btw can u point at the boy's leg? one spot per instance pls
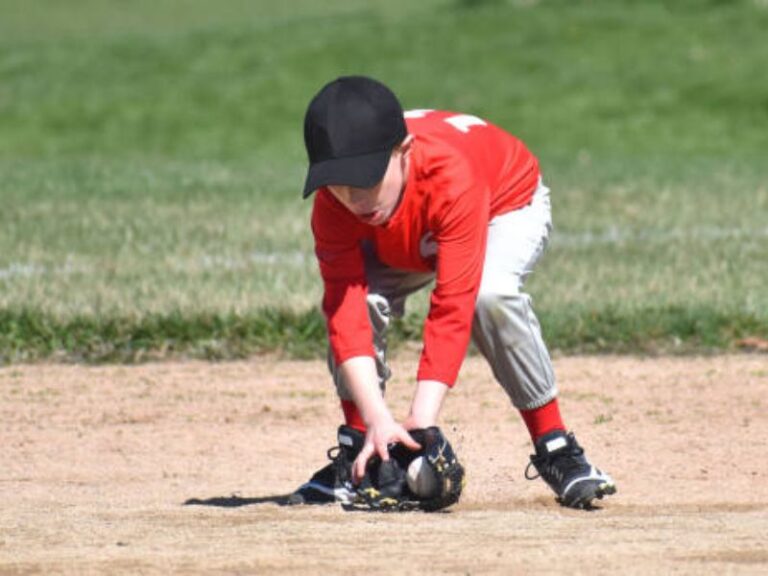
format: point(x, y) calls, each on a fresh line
point(387, 292)
point(508, 334)
point(505, 328)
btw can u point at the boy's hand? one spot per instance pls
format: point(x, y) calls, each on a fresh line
point(428, 479)
point(379, 436)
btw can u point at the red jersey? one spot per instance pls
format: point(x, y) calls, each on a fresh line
point(463, 172)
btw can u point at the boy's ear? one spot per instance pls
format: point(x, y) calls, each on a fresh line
point(405, 145)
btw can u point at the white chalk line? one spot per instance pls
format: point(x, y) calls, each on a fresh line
point(32, 269)
point(20, 270)
point(616, 235)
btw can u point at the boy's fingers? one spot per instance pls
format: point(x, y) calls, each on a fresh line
point(382, 449)
point(358, 468)
point(407, 440)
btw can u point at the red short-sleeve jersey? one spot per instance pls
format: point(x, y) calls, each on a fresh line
point(463, 172)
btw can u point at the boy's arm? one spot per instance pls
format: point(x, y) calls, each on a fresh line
point(361, 378)
point(460, 229)
point(426, 404)
point(337, 238)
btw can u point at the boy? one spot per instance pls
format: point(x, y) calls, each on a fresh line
point(404, 199)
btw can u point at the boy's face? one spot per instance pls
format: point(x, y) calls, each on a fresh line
point(375, 205)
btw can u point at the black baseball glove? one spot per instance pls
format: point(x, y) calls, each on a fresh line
point(385, 485)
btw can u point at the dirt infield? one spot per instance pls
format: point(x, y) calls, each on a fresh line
point(180, 468)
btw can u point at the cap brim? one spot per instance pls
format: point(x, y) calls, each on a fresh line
point(362, 171)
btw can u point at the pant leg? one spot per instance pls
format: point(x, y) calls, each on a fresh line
point(388, 289)
point(505, 328)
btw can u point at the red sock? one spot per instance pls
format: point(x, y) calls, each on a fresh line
point(543, 420)
point(352, 415)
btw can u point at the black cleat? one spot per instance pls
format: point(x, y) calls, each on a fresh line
point(561, 463)
point(333, 483)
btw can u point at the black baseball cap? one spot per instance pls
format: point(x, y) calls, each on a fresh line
point(350, 129)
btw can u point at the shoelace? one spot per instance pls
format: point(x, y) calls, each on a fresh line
point(336, 455)
point(560, 460)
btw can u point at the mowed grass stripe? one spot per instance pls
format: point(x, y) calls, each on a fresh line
point(151, 162)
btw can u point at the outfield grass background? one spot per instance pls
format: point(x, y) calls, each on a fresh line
point(151, 162)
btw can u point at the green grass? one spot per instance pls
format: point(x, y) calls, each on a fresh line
point(151, 160)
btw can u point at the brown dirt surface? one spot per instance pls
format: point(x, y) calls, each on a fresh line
point(181, 468)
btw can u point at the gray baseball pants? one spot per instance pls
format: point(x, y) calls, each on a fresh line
point(505, 328)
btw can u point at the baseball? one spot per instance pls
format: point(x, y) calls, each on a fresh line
point(422, 479)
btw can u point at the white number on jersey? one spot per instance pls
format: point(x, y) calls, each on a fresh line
point(464, 122)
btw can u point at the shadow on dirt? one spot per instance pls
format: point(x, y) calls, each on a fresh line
point(236, 501)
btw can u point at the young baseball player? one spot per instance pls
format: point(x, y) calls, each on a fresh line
point(402, 200)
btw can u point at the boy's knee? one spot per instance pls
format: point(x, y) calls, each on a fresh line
point(508, 315)
point(491, 301)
